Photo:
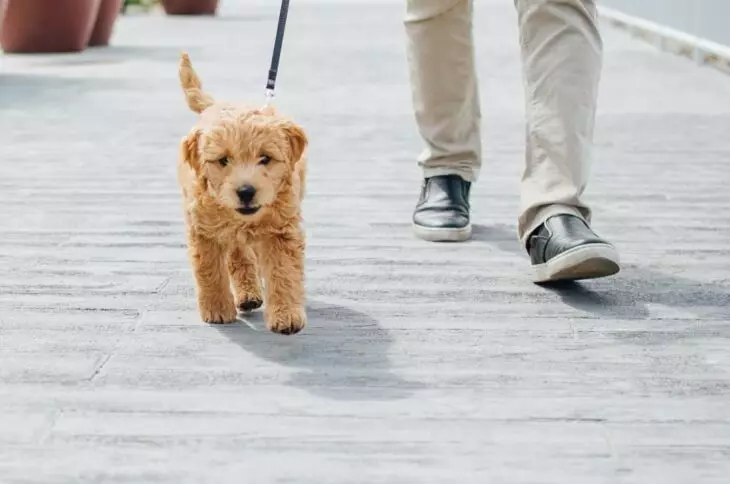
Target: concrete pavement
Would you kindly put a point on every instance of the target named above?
(423, 363)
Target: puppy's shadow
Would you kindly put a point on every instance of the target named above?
(342, 354)
(626, 295)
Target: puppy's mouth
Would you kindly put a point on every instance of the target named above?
(248, 210)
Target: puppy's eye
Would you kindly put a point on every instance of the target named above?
(264, 160)
(223, 161)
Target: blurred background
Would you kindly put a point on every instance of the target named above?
(703, 18)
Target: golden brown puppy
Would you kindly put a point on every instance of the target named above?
(242, 176)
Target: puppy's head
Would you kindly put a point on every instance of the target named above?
(245, 157)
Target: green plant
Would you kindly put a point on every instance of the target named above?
(141, 4)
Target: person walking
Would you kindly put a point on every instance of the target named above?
(561, 51)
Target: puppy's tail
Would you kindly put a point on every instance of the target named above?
(196, 99)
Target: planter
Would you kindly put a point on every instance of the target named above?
(190, 7)
(34, 26)
(3, 4)
(104, 26)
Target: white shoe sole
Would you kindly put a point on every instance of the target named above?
(585, 262)
(442, 235)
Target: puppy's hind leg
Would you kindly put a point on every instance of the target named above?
(215, 300)
(245, 277)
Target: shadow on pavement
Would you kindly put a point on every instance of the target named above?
(342, 354)
(43, 89)
(115, 54)
(627, 294)
(18, 90)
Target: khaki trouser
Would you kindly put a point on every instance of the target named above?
(561, 57)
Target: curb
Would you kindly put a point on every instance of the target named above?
(702, 51)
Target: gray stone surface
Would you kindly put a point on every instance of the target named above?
(422, 363)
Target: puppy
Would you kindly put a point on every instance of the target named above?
(242, 172)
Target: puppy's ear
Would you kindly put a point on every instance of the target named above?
(196, 99)
(297, 140)
(190, 150)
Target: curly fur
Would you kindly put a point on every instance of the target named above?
(232, 248)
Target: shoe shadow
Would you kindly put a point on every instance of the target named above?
(630, 293)
(342, 354)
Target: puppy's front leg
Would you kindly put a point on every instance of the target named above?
(245, 276)
(282, 260)
(215, 301)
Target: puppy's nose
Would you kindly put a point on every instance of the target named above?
(246, 194)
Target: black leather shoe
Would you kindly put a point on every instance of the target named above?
(564, 248)
(442, 212)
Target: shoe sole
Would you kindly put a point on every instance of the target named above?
(586, 262)
(442, 235)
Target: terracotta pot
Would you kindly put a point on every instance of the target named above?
(3, 4)
(104, 26)
(190, 7)
(33, 26)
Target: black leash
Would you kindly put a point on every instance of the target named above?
(273, 71)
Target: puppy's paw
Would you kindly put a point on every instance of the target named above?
(218, 312)
(248, 305)
(286, 320)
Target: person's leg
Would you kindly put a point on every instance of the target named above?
(446, 105)
(562, 55)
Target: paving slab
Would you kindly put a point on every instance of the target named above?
(422, 363)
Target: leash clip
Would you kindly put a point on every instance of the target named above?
(273, 71)
(270, 95)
